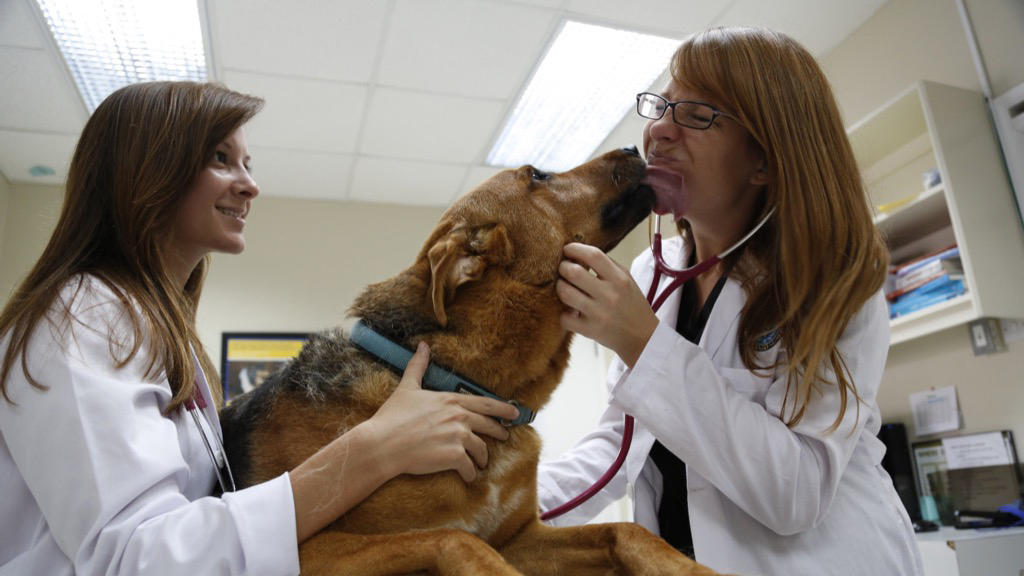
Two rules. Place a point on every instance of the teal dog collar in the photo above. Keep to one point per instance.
(435, 378)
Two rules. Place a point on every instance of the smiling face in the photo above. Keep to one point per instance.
(702, 175)
(211, 217)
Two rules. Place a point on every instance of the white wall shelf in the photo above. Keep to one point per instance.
(958, 310)
(934, 126)
(926, 214)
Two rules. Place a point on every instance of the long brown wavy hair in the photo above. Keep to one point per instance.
(138, 154)
(820, 257)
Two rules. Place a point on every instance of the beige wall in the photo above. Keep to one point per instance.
(5, 194)
(31, 214)
(908, 40)
(304, 263)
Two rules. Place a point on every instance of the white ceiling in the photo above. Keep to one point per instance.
(393, 101)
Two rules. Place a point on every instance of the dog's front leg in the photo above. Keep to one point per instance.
(442, 552)
(620, 548)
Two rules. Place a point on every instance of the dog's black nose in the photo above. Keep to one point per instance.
(631, 150)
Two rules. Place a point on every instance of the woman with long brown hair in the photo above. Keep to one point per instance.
(109, 438)
(753, 387)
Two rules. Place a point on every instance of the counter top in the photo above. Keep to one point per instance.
(948, 533)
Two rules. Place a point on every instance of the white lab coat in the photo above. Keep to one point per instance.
(763, 498)
(95, 480)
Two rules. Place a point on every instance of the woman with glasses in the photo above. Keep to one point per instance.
(753, 388)
(109, 438)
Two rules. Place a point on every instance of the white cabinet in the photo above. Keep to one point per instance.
(934, 126)
(952, 552)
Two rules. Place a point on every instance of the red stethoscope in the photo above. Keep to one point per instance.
(679, 277)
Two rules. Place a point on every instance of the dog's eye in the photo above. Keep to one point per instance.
(539, 176)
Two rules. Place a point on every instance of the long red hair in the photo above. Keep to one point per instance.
(820, 257)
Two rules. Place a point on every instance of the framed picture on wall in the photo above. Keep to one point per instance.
(248, 358)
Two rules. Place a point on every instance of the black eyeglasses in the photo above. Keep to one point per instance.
(697, 115)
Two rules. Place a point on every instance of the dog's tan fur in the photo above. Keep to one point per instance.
(481, 294)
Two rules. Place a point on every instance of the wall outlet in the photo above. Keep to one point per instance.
(986, 336)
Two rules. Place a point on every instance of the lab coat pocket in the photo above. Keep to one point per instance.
(747, 383)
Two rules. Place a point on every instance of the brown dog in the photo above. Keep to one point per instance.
(481, 293)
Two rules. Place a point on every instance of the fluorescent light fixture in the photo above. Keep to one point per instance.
(108, 44)
(582, 89)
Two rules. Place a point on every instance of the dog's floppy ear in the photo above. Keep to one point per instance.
(462, 256)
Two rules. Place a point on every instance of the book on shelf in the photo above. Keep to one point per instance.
(911, 266)
(937, 290)
(907, 277)
(951, 268)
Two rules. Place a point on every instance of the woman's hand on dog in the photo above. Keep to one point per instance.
(422, 431)
(415, 431)
(604, 303)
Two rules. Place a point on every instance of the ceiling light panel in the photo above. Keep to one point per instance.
(586, 83)
(108, 44)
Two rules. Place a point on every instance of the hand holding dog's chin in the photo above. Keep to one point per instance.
(604, 303)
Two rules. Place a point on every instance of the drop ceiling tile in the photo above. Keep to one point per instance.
(312, 38)
(302, 114)
(414, 125)
(465, 47)
(298, 174)
(407, 182)
(42, 96)
(673, 18)
(18, 25)
(20, 151)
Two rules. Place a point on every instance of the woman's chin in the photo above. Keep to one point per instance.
(235, 245)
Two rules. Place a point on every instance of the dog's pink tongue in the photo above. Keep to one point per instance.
(669, 190)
